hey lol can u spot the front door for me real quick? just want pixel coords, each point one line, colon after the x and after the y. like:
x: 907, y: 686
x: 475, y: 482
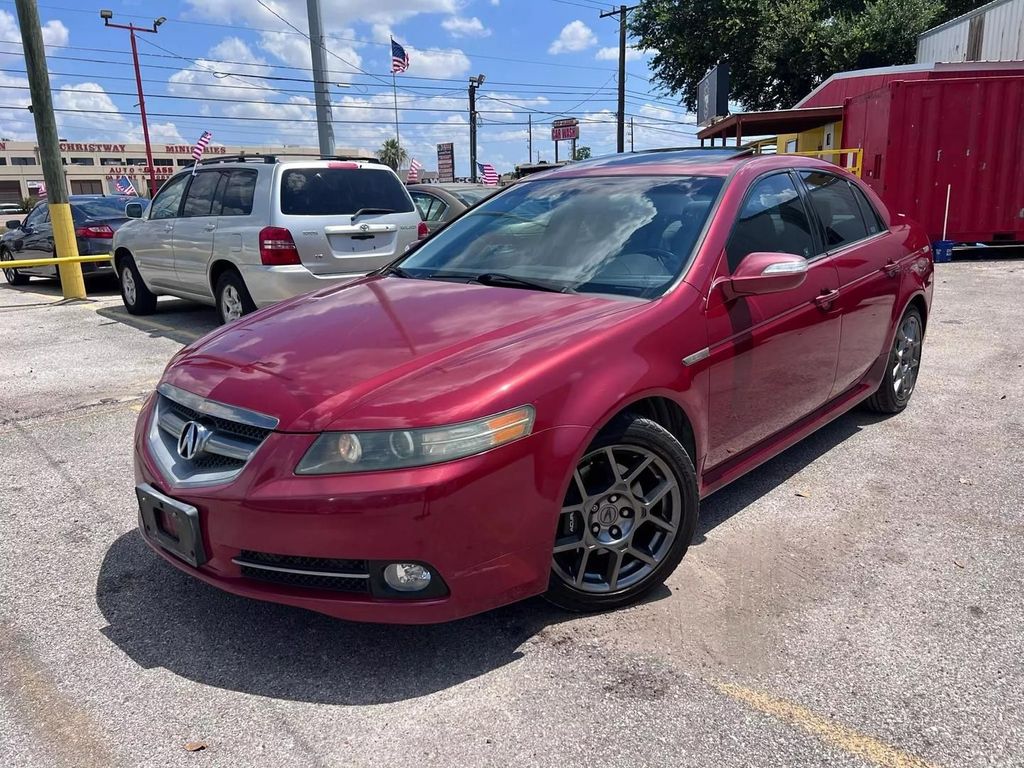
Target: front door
x: 35, y: 241
x: 867, y: 258
x: 773, y: 356
x: 194, y: 232
x: 153, y: 246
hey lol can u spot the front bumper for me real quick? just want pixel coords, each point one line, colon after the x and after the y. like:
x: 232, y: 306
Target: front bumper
x: 484, y: 524
x: 269, y: 285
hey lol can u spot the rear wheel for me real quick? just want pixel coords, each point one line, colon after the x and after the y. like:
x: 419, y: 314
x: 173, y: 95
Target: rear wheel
x: 904, y: 362
x: 627, y: 519
x: 137, y: 298
x: 13, y: 276
x: 233, y: 299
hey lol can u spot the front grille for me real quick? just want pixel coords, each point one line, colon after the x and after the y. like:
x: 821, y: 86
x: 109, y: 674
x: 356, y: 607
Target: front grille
x: 307, y: 572
x: 211, y: 461
x: 255, y: 434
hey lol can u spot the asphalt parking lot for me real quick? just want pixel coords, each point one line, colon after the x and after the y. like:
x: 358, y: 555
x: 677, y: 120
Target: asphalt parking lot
x: 858, y: 601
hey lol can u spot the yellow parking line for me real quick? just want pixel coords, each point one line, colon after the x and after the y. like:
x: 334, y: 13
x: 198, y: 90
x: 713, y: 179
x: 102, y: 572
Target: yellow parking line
x: 836, y: 734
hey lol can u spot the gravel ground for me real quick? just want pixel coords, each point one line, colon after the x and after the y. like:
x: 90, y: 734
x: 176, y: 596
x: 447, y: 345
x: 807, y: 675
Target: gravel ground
x: 857, y: 601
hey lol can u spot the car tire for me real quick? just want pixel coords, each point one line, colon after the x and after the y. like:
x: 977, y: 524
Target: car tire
x: 233, y: 299
x: 137, y: 298
x: 627, y: 519
x: 902, y: 366
x: 13, y: 276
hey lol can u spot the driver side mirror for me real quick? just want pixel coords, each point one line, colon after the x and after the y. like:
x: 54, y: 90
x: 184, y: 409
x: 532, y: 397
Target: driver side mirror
x: 133, y: 210
x: 13, y: 224
x: 764, y: 272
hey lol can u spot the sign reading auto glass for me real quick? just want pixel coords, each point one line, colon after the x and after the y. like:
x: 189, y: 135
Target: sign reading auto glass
x: 713, y: 95
x: 446, y: 163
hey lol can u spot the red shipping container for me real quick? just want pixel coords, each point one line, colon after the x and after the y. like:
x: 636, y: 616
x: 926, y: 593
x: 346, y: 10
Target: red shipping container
x: 920, y: 137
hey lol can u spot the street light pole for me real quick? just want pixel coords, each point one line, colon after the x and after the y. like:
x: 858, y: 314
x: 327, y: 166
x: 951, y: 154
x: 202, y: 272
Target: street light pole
x: 132, y: 29
x: 474, y: 83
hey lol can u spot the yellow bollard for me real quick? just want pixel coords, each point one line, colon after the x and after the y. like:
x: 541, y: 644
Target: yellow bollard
x: 64, y: 241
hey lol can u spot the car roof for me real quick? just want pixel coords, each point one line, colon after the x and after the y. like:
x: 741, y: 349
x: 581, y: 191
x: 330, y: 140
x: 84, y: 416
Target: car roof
x: 690, y: 161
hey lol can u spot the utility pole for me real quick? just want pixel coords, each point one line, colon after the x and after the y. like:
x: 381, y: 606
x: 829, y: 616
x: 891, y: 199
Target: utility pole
x: 324, y: 129
x: 49, y: 148
x: 474, y: 83
x: 620, y: 138
x: 132, y: 29
x: 529, y: 139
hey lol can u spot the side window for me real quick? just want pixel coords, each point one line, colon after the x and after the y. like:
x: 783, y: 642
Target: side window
x: 436, y: 210
x: 872, y: 219
x: 200, y: 195
x: 165, y: 204
x: 422, y: 203
x: 38, y: 216
x: 772, y: 219
x: 833, y: 201
x: 237, y: 193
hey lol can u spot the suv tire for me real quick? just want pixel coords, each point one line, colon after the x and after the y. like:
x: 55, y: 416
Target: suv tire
x: 233, y: 299
x: 137, y: 298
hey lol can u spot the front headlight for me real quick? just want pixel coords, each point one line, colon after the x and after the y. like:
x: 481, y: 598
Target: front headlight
x: 336, y: 452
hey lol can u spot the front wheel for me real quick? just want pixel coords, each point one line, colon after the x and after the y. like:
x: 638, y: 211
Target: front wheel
x: 137, y: 298
x: 12, y: 276
x: 627, y: 519
x: 904, y: 362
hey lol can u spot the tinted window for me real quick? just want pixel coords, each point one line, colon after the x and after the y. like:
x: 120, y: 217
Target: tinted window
x: 836, y: 208
x: 422, y: 202
x: 37, y: 217
x: 201, y: 193
x: 333, y: 191
x: 630, y: 236
x: 101, y: 208
x: 237, y: 195
x: 471, y: 196
x: 872, y: 219
x: 431, y: 208
x: 165, y: 204
x: 772, y: 219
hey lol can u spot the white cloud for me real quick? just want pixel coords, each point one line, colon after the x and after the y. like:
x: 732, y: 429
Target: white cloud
x: 343, y: 61
x: 93, y: 115
x: 335, y: 13
x: 461, y: 27
x: 575, y: 36
x: 437, y: 63
x: 611, y: 53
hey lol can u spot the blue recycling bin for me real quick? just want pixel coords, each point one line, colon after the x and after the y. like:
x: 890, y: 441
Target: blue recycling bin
x: 942, y: 251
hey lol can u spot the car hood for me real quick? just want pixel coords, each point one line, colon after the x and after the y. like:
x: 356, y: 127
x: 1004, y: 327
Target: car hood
x: 311, y: 359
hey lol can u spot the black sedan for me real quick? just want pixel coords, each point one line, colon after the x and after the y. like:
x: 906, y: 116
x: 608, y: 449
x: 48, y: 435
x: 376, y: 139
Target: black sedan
x: 96, y: 217
x: 440, y: 203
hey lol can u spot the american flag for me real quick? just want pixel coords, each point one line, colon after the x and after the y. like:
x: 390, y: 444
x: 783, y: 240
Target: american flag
x: 199, y: 148
x: 414, y: 171
x: 41, y: 191
x: 399, y: 58
x: 124, y: 186
x: 489, y: 175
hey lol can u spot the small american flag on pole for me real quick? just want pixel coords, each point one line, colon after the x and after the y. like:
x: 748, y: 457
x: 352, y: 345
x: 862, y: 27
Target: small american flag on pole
x: 199, y: 148
x: 399, y: 58
x: 124, y: 186
x: 489, y: 176
x: 414, y: 171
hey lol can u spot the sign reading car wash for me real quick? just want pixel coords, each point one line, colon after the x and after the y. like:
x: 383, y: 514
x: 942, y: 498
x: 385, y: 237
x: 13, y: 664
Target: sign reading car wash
x: 565, y: 130
x: 446, y: 162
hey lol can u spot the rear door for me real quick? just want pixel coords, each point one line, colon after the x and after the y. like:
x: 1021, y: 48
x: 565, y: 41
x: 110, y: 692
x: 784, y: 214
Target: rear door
x: 867, y: 258
x: 345, y: 217
x: 236, y: 224
x: 194, y: 231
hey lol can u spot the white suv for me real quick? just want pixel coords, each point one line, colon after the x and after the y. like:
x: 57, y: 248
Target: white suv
x: 245, y: 232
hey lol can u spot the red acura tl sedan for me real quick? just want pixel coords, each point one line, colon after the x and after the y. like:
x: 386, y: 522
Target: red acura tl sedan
x: 534, y: 400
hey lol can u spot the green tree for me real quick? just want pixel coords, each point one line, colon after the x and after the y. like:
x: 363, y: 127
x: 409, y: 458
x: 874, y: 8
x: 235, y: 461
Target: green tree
x: 778, y: 51
x: 582, y: 153
x: 392, y: 154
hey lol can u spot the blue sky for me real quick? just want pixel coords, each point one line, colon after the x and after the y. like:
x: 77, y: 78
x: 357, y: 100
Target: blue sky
x: 237, y: 69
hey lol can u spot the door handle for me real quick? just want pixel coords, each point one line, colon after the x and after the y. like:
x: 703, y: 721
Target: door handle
x: 824, y: 301
x: 168, y: 227
x: 892, y: 268
x: 210, y: 227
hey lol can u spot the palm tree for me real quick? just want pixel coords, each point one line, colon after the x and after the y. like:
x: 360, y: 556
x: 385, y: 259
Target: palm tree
x: 392, y: 154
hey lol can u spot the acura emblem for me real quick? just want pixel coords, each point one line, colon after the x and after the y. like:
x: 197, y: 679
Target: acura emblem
x: 192, y: 440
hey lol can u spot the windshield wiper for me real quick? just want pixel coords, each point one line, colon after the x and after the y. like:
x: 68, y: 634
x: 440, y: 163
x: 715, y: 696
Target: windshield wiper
x: 361, y: 211
x: 393, y: 269
x: 511, y: 281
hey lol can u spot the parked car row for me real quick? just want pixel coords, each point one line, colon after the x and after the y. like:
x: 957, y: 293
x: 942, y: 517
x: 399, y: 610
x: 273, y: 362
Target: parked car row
x: 534, y: 400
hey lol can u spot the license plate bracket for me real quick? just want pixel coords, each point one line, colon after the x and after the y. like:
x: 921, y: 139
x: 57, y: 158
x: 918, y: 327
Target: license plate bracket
x: 155, y: 507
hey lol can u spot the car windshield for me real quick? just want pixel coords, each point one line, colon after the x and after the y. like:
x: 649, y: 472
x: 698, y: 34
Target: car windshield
x: 629, y: 236
x: 332, y: 191
x: 100, y: 208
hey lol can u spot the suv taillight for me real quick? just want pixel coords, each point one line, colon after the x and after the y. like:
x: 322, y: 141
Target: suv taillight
x: 101, y: 231
x: 422, y: 230
x: 277, y: 247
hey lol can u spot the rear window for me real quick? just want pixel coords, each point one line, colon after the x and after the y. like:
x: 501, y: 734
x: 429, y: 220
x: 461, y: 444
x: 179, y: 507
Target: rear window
x: 104, y: 208
x: 333, y: 191
x: 472, y: 196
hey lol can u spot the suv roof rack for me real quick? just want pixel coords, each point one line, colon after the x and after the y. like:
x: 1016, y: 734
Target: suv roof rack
x: 256, y: 156
x: 239, y: 158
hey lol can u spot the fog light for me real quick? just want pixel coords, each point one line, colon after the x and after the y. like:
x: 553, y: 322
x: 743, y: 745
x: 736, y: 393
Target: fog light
x: 407, y: 577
